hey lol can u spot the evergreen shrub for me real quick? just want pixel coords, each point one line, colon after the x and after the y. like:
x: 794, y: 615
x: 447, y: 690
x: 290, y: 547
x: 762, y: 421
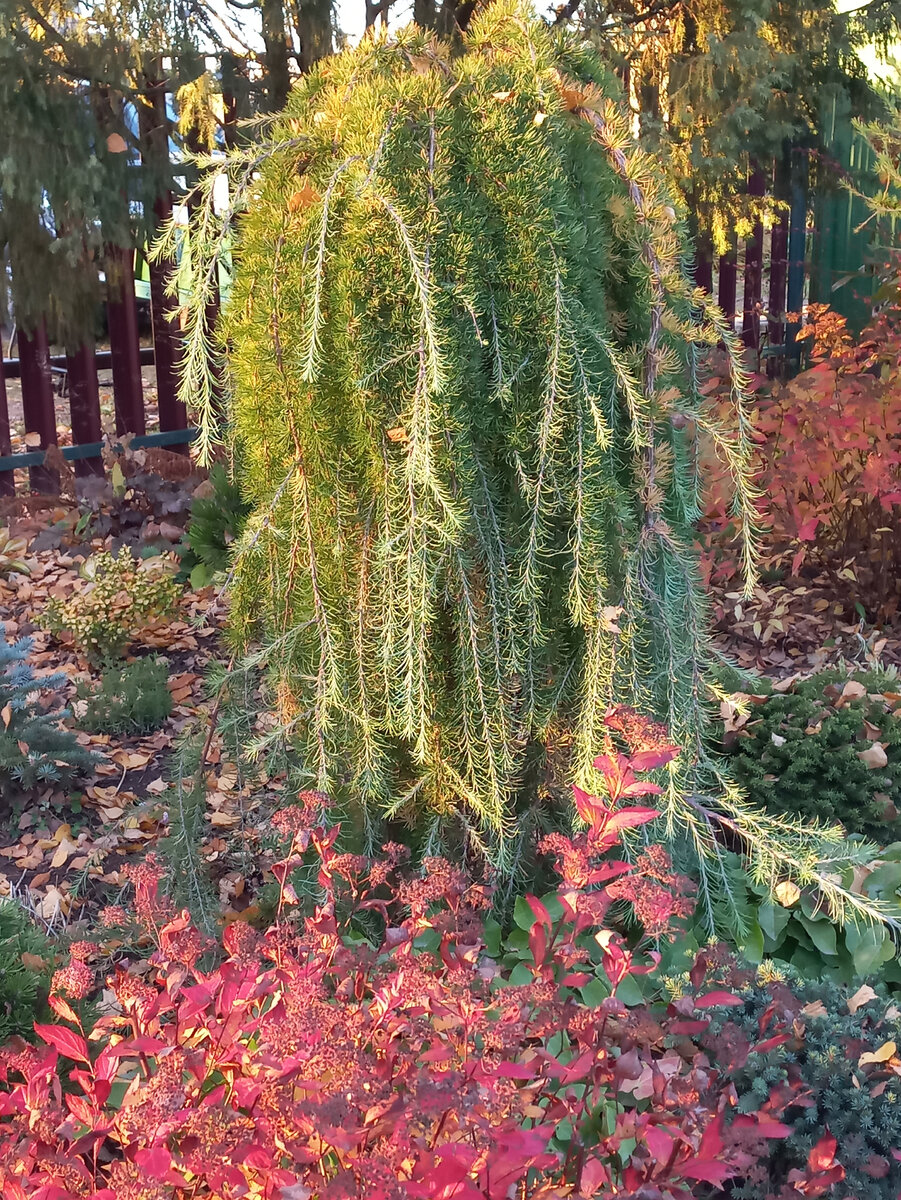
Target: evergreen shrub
x: 828, y: 749
x: 133, y: 698
x: 25, y: 966
x: 465, y: 361
x: 218, y: 517
x: 840, y: 1055
x: 35, y: 748
x: 119, y: 596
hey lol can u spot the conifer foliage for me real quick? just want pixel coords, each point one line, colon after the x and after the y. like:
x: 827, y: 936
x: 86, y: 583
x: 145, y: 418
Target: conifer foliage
x: 464, y: 356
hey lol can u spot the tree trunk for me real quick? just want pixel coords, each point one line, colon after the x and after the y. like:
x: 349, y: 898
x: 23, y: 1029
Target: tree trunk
x: 275, y: 38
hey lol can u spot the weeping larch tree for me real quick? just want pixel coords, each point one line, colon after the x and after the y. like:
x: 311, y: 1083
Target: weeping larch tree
x: 464, y: 352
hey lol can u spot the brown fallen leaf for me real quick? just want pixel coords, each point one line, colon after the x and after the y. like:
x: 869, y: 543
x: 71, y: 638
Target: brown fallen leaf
x: 883, y: 1054
x: 816, y: 1008
x: 787, y: 893
x: 224, y: 820
x: 64, y: 851
x: 874, y: 758
x: 863, y: 995
x: 33, y: 962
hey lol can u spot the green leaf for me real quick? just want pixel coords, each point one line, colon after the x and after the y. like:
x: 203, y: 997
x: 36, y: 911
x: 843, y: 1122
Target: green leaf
x: 884, y: 881
x: 522, y: 914
x: 821, y: 933
x: 117, y: 480
x: 201, y: 576
x: 752, y: 946
x: 492, y: 937
x: 629, y: 991
x: 520, y: 975
x: 594, y: 993
x: 866, y: 944
x: 773, y: 919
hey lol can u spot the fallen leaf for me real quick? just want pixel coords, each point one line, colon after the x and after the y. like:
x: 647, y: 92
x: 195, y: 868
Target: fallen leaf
x: 301, y: 199
x: 816, y: 1008
x: 862, y: 996
x: 875, y: 758
x: 224, y: 819
x: 883, y: 1054
x: 64, y: 851
x: 787, y: 893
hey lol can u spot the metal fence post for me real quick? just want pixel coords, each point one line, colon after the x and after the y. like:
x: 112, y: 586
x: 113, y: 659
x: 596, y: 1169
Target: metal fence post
x: 750, y: 319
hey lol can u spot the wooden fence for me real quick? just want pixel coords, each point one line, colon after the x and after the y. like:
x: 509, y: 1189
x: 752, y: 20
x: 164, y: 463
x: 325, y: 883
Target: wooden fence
x: 771, y: 274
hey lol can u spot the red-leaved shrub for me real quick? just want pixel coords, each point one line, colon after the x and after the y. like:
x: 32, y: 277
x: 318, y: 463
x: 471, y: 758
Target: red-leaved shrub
x: 829, y: 457
x: 309, y: 1064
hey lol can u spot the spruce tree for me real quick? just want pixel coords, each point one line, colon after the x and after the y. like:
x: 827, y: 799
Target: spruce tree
x: 35, y: 749
x: 464, y: 353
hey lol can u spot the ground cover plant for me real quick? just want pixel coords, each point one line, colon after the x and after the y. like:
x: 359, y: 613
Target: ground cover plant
x: 843, y: 1052
x: 313, y: 1061
x: 26, y: 955
x: 218, y: 515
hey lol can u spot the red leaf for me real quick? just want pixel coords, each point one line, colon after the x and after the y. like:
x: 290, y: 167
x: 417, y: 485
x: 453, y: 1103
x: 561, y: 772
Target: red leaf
x: 714, y: 998
x: 629, y: 818
x: 659, y: 1143
x: 541, y: 913
x: 647, y: 760
x: 764, y: 1126
x: 807, y: 531
x: 156, y: 1161
x: 822, y: 1155
x: 771, y: 1043
x: 708, y: 1170
x: 593, y: 1177
x: 66, y: 1041
x: 63, y: 1009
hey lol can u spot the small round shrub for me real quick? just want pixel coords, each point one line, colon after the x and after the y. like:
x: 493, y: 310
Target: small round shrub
x: 119, y: 597
x: 828, y: 749
x: 133, y: 698
x: 842, y: 1092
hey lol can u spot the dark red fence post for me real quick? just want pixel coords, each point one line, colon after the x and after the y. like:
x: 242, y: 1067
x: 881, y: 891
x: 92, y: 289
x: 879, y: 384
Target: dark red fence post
x: 7, y: 478
x: 704, y: 266
x: 125, y: 344
x: 728, y: 284
x: 750, y: 323
x: 37, y: 400
x: 778, y: 280
x: 155, y: 150
x: 84, y: 405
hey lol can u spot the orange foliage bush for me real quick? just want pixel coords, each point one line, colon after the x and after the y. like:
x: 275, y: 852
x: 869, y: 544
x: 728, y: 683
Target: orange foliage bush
x: 829, y: 444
